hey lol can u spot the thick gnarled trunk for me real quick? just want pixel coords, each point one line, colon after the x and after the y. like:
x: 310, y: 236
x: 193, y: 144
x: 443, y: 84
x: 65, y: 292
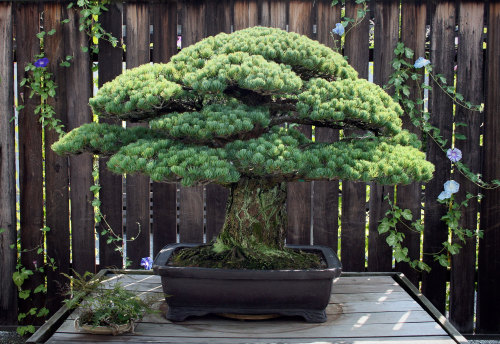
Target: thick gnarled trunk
x: 255, y: 212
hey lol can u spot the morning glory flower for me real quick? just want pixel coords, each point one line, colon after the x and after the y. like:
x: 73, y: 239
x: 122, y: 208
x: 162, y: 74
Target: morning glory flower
x: 451, y: 186
x: 454, y: 154
x: 147, y: 263
x: 444, y: 195
x: 43, y: 62
x: 421, y: 62
x: 339, y: 29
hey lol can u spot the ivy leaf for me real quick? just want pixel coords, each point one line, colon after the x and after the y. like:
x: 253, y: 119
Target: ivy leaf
x: 407, y: 214
x: 42, y: 312
x: 24, y: 294
x: 401, y: 255
x: 383, y: 227
x: 443, y: 260
x: 40, y: 288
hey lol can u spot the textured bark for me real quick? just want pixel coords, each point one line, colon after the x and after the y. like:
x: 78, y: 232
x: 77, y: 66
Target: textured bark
x: 256, y: 211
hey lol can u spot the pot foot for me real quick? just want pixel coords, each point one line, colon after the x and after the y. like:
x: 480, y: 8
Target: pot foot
x: 182, y: 313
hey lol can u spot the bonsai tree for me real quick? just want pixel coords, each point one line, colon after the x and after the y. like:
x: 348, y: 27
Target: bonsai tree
x: 225, y: 111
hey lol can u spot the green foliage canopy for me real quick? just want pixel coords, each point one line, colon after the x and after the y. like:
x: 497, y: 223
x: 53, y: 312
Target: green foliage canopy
x: 217, y: 113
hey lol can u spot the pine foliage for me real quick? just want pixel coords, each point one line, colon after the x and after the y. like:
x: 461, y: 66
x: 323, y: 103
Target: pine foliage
x: 217, y: 113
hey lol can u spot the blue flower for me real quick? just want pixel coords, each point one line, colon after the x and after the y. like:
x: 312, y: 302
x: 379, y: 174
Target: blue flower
x: 454, y: 154
x: 444, y: 195
x: 339, y: 29
x: 147, y: 263
x: 43, y: 62
x: 421, y: 62
x: 451, y: 186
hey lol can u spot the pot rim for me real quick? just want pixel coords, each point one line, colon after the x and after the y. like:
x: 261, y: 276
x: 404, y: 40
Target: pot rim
x: 332, y: 271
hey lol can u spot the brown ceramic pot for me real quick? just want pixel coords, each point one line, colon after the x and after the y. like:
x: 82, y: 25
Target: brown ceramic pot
x: 200, y: 291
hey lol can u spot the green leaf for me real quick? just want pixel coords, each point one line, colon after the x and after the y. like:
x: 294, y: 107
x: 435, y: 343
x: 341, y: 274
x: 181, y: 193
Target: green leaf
x: 24, y: 294
x: 51, y: 32
x: 407, y: 214
x: 383, y: 227
x: 408, y: 53
x: 42, y: 312
x: 85, y: 49
x: 40, y: 289
x: 392, y: 239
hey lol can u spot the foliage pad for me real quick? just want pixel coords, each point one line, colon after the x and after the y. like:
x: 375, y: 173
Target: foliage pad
x: 224, y: 110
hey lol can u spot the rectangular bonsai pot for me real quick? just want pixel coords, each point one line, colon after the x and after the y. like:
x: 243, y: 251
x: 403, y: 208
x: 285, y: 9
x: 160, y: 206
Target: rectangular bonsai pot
x: 200, y: 291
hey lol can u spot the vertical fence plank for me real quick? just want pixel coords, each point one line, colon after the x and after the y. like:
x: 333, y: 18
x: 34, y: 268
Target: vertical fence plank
x: 216, y: 195
x: 386, y: 38
x: 79, y: 90
x: 56, y: 167
x: 326, y: 193
x: 264, y: 12
x: 8, y: 293
x: 111, y: 193
x: 488, y: 316
x: 164, y: 195
x: 30, y: 155
x: 191, y: 198
x: 441, y: 108
x: 220, y: 9
x: 299, y: 193
x: 138, y: 197
x: 470, y: 85
x: 413, y: 16
x: 278, y: 14
x: 245, y: 14
x: 353, y: 218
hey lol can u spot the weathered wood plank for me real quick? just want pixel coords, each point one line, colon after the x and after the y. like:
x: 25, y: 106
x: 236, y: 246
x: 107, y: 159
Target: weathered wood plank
x: 278, y: 14
x: 8, y: 292
x: 470, y: 85
x: 220, y: 9
x: 353, y: 218
x: 111, y: 192
x: 304, y: 330
x: 326, y: 193
x: 216, y: 195
x: 63, y: 338
x: 138, y: 193
x: 386, y: 38
x: 216, y: 198
x: 79, y: 90
x: 299, y: 193
x: 164, y: 225
x: 488, y: 316
x: 441, y: 108
x: 56, y: 167
x: 413, y: 16
x: 245, y: 14
x: 30, y: 155
x: 191, y: 198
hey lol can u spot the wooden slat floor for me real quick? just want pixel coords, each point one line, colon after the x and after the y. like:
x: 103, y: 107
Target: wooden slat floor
x: 364, y: 310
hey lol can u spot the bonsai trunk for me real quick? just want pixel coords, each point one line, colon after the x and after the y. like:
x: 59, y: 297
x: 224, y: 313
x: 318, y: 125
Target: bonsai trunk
x: 255, y: 213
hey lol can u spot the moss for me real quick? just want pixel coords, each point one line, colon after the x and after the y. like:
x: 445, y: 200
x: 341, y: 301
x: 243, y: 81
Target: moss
x: 259, y: 257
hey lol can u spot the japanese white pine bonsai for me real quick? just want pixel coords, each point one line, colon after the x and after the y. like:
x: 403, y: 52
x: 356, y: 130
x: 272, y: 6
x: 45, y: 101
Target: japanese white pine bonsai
x: 224, y: 111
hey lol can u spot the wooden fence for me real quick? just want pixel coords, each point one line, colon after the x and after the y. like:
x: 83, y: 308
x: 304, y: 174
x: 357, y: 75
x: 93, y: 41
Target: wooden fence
x: 54, y: 191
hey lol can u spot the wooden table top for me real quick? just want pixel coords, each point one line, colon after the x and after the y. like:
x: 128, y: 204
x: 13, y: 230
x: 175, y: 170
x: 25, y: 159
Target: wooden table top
x: 364, y: 308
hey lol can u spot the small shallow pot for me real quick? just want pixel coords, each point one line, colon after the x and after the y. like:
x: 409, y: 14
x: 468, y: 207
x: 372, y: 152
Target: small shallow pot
x: 200, y: 291
x: 114, y: 330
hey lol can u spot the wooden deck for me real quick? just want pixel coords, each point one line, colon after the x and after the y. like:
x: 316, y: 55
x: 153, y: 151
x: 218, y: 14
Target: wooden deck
x: 363, y: 309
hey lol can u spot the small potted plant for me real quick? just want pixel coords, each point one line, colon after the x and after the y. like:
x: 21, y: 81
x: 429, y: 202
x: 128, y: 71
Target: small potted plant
x: 105, y: 310
x: 226, y: 110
